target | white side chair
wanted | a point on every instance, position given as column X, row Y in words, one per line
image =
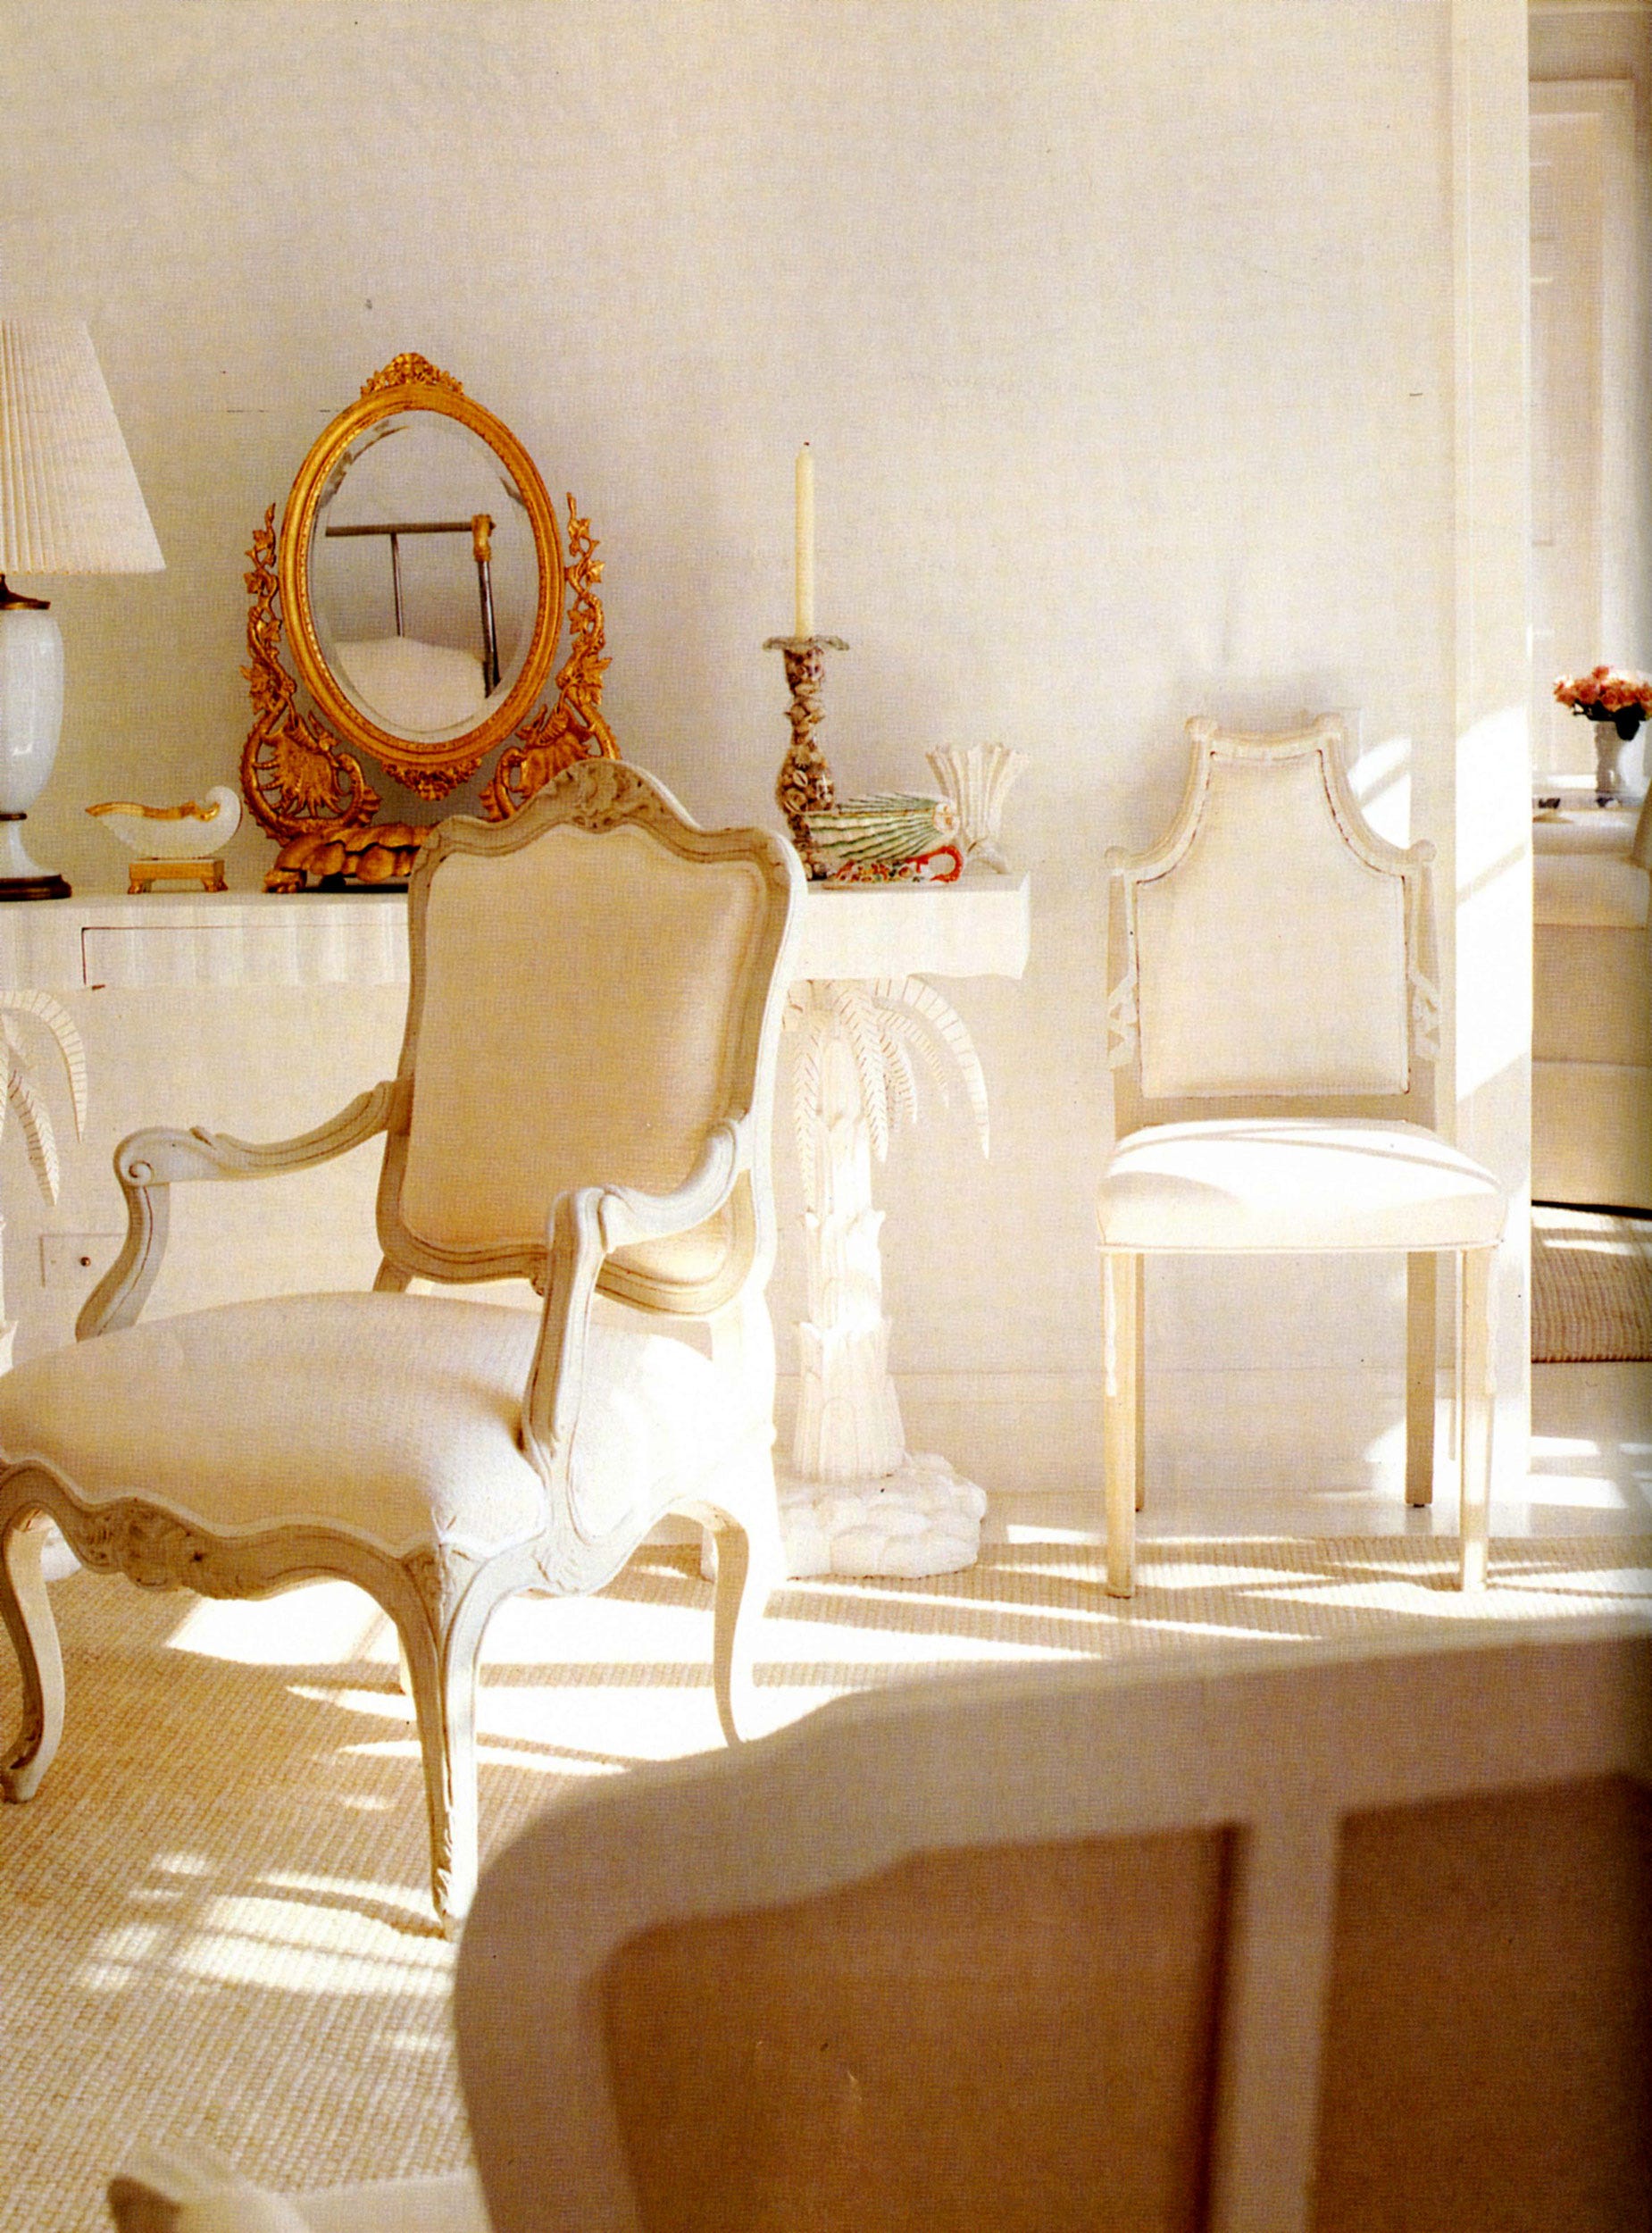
column 1274, row 1016
column 582, row 1100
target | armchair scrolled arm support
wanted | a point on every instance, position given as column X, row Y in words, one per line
column 148, row 1163
column 586, row 1226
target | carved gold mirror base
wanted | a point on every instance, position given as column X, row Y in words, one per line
column 307, row 788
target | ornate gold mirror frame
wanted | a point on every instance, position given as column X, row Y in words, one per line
column 301, row 769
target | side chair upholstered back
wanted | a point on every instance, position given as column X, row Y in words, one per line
column 1274, row 1031
column 1271, row 953
column 583, row 1102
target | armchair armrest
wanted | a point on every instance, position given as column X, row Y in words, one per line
column 148, row 1163
column 584, row 1227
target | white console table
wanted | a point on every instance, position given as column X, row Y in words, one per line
column 853, row 1500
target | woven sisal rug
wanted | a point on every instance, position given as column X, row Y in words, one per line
column 1591, row 1286
column 214, row 1917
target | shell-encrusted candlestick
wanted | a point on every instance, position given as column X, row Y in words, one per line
column 978, row 782
column 805, row 783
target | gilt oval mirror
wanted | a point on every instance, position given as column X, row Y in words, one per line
column 420, row 576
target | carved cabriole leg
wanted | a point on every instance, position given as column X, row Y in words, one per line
column 439, row 1610
column 1121, row 1414
column 440, row 1622
column 749, row 1561
column 1476, row 1391
column 733, row 1620
column 28, row 1617
column 1421, row 1318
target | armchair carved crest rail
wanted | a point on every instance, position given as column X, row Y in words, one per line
column 583, row 1100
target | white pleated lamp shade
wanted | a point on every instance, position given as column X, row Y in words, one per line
column 69, row 501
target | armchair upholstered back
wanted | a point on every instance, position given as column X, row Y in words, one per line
column 537, row 969
column 1272, row 955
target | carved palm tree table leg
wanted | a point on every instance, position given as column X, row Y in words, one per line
column 855, row 1500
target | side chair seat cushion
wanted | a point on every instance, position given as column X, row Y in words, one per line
column 394, row 1417
column 1287, row 1183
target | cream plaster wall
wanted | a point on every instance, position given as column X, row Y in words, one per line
column 1126, row 341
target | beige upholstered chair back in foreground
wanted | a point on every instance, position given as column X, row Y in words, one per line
column 1271, row 954
column 546, row 965
column 1348, row 1945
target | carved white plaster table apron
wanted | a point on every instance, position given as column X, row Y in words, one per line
column 854, row 1499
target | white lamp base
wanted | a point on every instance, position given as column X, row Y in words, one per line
column 22, row 878
column 31, row 707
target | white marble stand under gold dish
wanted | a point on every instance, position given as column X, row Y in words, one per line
column 854, row 1499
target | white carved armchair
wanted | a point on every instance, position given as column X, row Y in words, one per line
column 583, row 1099
column 1275, row 1019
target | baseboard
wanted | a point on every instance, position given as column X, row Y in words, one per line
column 1021, row 1433
column 1039, row 1433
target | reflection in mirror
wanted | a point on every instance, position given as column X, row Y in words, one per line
column 424, row 577
column 418, row 582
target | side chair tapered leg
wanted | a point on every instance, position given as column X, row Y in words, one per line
column 28, row 1616
column 1476, row 1394
column 1121, row 1313
column 1421, row 1339
column 1139, row 1306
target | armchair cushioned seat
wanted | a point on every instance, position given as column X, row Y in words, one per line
column 1281, row 1183
column 321, row 1429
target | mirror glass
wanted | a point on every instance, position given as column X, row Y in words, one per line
column 423, row 576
